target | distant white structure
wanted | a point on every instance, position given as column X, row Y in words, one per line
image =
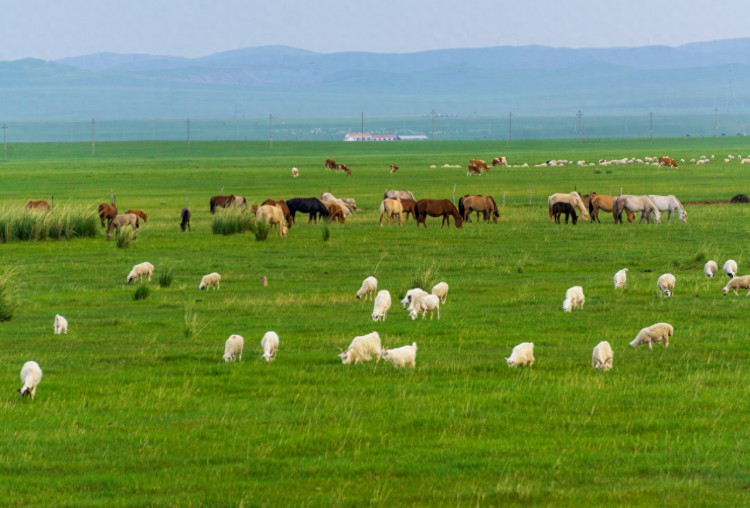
column 366, row 136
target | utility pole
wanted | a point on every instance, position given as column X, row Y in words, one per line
column 187, row 123
column 433, row 125
column 93, row 137
column 716, row 121
column 270, row 132
column 510, row 126
column 580, row 125
column 5, row 146
column 651, row 124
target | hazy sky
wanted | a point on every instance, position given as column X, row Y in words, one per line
column 52, row 29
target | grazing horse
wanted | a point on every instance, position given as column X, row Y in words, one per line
column 185, row 219
column 669, row 204
column 312, row 206
column 471, row 168
column 348, row 205
column 573, row 198
column 330, row 164
column 107, row 211
column 139, row 213
column 393, row 168
column 285, row 209
column 478, row 203
column 240, row 202
column 221, row 201
column 564, row 208
column 409, row 206
column 390, row 207
column 41, row 206
column 344, row 168
column 335, row 212
column 635, row 204
column 120, row 221
column 437, row 208
column 606, row 203
column 400, row 194
column 500, row 161
column 272, row 214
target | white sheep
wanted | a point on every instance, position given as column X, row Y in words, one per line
column 425, row 304
column 602, row 356
column 621, row 278
column 412, row 296
column 369, row 286
column 362, row 349
column 730, row 268
column 31, row 375
column 212, row 279
column 659, row 332
column 382, row 305
column 61, row 324
column 441, row 291
column 710, row 268
column 404, row 356
column 574, row 299
column 736, row 283
column 141, row 270
column 233, row 348
column 270, row 345
column 666, row 283
column 522, row 354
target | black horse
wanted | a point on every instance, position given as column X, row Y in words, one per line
column 185, row 216
column 564, row 208
column 313, row 206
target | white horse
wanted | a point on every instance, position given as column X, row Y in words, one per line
column 669, row 204
column 572, row 198
column 635, row 204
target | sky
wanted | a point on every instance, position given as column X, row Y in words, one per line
column 54, row 29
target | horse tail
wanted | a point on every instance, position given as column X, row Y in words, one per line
column 495, row 211
column 461, row 208
column 213, row 205
column 549, row 206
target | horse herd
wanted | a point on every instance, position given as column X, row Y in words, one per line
column 589, row 206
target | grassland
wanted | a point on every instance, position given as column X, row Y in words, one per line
column 134, row 411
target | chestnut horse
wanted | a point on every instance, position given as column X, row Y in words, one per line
column 227, row 201
column 606, row 203
column 41, row 206
column 139, row 213
column 409, row 206
column 437, row 208
column 107, row 211
column 478, row 203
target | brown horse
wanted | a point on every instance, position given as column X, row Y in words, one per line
column 606, row 203
column 40, row 206
column 335, row 213
column 139, row 213
column 285, row 209
column 107, row 212
column 478, row 203
column 227, row 201
column 409, row 206
column 121, row 221
column 437, row 208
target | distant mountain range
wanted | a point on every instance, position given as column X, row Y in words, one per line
column 284, row 81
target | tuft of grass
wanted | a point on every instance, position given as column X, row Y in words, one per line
column 326, row 233
column 141, row 292
column 166, row 279
column 260, row 230
column 231, row 221
column 190, row 322
column 124, row 237
column 425, row 276
column 64, row 222
column 9, row 300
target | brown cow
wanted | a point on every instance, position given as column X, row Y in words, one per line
column 330, row 164
column 344, row 168
column 480, row 164
column 393, row 168
column 107, row 211
column 500, row 161
column 139, row 213
column 41, row 206
column 473, row 169
column 667, row 161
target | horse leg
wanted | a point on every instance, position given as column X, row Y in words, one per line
column 400, row 219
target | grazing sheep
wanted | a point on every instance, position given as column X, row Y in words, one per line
column 659, row 332
column 212, row 279
column 404, row 356
column 666, row 284
column 369, row 286
column 61, row 324
column 362, row 349
column 233, row 348
column 736, row 283
column 574, row 299
column 522, row 354
column 730, row 268
column 441, row 291
column 710, row 268
column 382, row 305
column 603, row 356
column 270, row 345
column 424, row 304
column 31, row 375
column 621, row 278
column 141, row 270
column 412, row 296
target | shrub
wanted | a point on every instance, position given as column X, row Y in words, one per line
column 740, row 198
column 8, row 295
column 141, row 292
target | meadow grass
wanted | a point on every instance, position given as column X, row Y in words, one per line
column 137, row 408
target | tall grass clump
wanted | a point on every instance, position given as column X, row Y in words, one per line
column 190, row 322
column 141, row 292
column 326, row 233
column 261, row 229
column 230, row 221
column 165, row 279
column 124, row 237
column 425, row 276
column 64, row 222
column 8, row 295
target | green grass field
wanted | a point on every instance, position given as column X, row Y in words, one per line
column 132, row 411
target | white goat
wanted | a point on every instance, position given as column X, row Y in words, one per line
column 362, row 349
column 404, row 356
column 382, row 305
column 621, row 278
column 233, row 348
column 710, row 268
column 270, row 345
column 522, row 354
column 31, row 375
column 212, row 279
column 141, row 270
column 666, row 283
column 424, row 304
column 602, row 356
column 369, row 286
column 61, row 324
column 730, row 268
column 659, row 332
column 441, row 291
column 574, row 299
